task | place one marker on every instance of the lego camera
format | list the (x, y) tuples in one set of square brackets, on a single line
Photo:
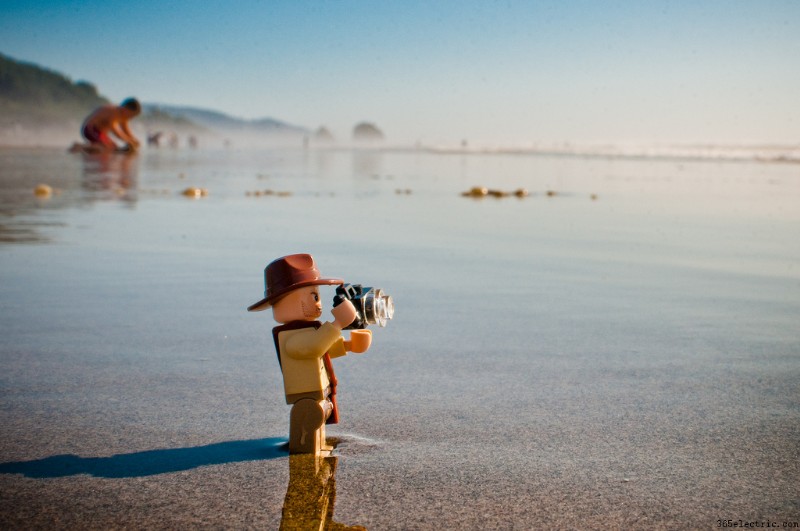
[(372, 305)]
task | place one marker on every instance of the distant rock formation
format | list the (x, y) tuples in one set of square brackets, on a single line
[(323, 136), (367, 132)]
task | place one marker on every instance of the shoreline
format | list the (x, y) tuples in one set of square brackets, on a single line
[(23, 138)]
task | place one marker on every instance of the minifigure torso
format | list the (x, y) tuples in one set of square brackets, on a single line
[(301, 347)]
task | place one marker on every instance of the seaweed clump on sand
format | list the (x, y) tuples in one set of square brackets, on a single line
[(478, 192)]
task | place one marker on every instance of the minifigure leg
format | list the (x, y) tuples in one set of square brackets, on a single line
[(305, 421)]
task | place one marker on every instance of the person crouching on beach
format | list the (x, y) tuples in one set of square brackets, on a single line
[(113, 119)]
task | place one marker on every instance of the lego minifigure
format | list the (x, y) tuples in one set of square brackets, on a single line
[(305, 346)]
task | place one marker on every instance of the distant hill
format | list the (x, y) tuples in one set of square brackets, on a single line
[(35, 101), (35, 95), (224, 123), (42, 106)]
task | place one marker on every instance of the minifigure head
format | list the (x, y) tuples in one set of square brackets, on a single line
[(301, 304), (284, 276)]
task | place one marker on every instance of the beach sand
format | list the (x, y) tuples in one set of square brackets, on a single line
[(628, 360)]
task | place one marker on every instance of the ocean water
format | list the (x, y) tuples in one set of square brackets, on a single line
[(619, 347)]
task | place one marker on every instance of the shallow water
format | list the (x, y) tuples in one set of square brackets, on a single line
[(623, 351)]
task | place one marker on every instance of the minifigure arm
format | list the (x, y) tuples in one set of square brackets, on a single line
[(312, 343)]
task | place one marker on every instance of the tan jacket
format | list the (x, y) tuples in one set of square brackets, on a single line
[(301, 353)]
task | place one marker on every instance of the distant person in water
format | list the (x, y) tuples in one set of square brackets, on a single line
[(114, 119)]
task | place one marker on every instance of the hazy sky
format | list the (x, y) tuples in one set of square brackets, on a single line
[(441, 71)]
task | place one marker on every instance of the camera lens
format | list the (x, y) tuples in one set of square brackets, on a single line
[(383, 308), (372, 305)]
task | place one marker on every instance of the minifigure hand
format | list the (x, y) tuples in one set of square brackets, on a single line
[(360, 340), (344, 314)]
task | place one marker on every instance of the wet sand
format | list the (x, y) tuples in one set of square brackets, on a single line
[(631, 361)]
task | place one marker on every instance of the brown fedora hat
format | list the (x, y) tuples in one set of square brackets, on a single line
[(285, 274)]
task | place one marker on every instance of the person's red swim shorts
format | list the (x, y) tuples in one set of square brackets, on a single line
[(95, 135)]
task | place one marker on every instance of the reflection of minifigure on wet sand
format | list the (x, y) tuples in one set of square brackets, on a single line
[(305, 346), (311, 495)]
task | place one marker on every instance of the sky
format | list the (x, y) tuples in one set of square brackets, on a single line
[(439, 72)]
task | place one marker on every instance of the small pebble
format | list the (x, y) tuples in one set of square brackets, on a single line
[(259, 193), (552, 193), (195, 193), (476, 191), (43, 190), (498, 193), (480, 191)]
